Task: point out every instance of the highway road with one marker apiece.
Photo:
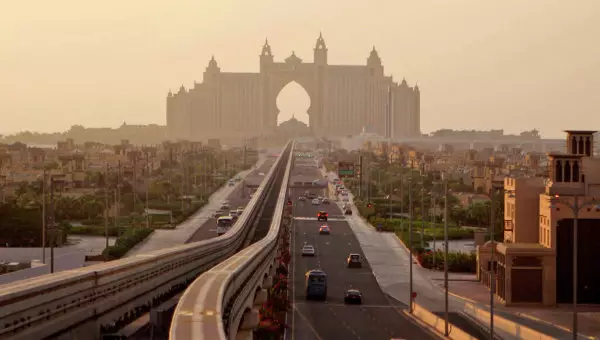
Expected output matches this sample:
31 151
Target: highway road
239 197
380 317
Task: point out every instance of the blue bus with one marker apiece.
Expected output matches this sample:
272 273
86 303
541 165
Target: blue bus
316 284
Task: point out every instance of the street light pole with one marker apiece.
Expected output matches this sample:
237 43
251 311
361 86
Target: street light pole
575 207
44 217
147 190
410 243
422 211
575 271
118 198
391 202
106 209
446 314
402 204
493 266
434 224
52 223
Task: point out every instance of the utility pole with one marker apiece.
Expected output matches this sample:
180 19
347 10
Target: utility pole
446 314
52 223
402 203
575 209
410 245
182 182
44 217
434 223
106 209
422 211
170 173
118 197
391 203
493 269
360 176
147 190
135 159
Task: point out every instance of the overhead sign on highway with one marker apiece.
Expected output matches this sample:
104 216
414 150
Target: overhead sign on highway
346 170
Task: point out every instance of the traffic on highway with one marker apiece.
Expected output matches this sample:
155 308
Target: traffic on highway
334 292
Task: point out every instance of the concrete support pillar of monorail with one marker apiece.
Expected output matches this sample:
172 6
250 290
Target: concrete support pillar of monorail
261 297
244 335
267 282
250 320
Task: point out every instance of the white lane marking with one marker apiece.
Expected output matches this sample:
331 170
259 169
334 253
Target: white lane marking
307 322
315 219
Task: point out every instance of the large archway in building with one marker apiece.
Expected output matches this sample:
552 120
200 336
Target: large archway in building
293 103
343 99
588 287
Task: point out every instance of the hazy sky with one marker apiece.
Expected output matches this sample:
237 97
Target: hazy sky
480 64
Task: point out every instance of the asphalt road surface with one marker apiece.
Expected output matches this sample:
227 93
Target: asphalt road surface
380 317
239 197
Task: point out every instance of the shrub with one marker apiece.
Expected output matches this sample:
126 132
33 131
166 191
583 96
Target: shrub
458 262
128 240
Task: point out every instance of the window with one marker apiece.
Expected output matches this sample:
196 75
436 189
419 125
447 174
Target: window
558 171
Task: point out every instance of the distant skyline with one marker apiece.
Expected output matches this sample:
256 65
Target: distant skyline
513 65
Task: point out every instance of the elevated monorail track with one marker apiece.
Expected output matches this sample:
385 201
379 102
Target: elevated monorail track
73 304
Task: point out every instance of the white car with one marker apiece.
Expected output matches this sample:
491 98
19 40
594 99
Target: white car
316 201
345 199
308 250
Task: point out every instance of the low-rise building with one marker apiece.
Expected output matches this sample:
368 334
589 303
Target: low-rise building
534 262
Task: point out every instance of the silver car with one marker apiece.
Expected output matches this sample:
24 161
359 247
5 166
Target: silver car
308 250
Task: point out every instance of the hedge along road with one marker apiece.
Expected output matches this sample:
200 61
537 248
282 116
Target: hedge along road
378 318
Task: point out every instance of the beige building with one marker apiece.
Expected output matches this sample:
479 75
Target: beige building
344 99
534 264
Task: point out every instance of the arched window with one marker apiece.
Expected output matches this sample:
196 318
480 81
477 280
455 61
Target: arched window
575 171
567 172
581 150
582 178
558 172
588 147
574 145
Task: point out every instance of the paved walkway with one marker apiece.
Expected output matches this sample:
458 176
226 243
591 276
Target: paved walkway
161 238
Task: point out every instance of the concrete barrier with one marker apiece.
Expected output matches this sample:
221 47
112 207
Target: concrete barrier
438 324
507 327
